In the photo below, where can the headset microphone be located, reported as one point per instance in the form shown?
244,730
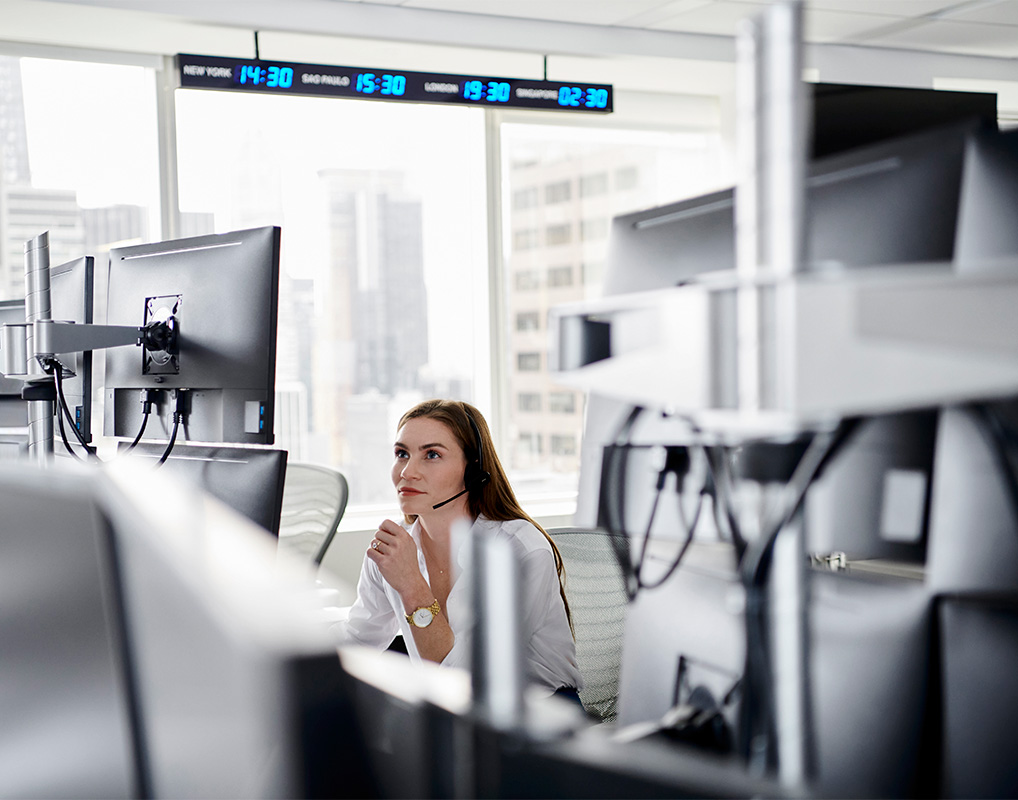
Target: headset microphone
451,498
475,477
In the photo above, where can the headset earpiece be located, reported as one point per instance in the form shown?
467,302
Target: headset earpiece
474,477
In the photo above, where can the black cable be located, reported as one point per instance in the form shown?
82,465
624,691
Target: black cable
63,437
179,413
689,527
999,436
722,478
613,513
758,717
62,402
821,449
146,410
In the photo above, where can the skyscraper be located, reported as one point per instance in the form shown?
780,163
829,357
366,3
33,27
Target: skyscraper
14,166
375,340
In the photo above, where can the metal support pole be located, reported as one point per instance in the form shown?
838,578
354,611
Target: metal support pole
37,307
497,667
770,246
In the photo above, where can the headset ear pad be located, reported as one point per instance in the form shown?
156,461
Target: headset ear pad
475,476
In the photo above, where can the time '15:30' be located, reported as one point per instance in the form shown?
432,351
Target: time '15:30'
370,83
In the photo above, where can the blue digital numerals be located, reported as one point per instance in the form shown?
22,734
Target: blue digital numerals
270,77
370,83
577,96
490,92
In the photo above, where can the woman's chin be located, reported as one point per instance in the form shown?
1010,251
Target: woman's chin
411,504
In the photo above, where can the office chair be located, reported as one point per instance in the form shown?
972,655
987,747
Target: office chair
597,601
314,499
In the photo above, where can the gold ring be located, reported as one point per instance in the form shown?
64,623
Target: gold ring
374,544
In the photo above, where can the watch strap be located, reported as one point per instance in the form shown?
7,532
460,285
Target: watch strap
434,608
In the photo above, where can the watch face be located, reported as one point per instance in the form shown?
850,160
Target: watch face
423,617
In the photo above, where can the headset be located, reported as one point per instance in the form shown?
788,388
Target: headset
475,476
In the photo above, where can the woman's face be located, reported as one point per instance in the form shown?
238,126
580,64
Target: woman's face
428,465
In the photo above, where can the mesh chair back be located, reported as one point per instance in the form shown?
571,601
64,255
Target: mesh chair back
314,499
597,601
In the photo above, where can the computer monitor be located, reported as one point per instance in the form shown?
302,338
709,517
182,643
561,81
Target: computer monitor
238,685
846,116
987,239
71,300
65,710
248,479
891,202
222,290
160,650
13,410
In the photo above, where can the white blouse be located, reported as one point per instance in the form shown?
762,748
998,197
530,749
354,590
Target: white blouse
377,615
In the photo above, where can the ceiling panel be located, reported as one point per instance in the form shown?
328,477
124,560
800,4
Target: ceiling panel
926,25
821,25
592,12
720,17
949,36
890,8
999,13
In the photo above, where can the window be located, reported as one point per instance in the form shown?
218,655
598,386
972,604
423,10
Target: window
528,321
591,185
528,280
592,229
611,172
562,402
528,362
525,198
365,329
559,234
626,178
560,276
558,192
525,239
88,185
563,445
528,445
529,401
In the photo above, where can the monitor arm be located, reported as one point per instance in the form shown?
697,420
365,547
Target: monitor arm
52,337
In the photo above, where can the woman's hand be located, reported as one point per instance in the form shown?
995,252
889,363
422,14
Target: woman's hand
395,553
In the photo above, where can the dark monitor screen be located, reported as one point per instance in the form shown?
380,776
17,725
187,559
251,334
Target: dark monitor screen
846,116
894,202
222,291
248,479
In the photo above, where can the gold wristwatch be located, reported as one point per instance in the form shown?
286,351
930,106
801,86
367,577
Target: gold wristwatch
422,617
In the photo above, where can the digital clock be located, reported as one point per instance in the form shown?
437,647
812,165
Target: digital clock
324,80
576,96
489,92
272,77
384,84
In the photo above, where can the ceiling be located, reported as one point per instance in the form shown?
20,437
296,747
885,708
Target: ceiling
969,27
982,28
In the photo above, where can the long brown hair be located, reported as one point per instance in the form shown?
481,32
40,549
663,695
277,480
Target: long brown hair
495,498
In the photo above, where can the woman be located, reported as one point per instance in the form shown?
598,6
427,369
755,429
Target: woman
444,470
